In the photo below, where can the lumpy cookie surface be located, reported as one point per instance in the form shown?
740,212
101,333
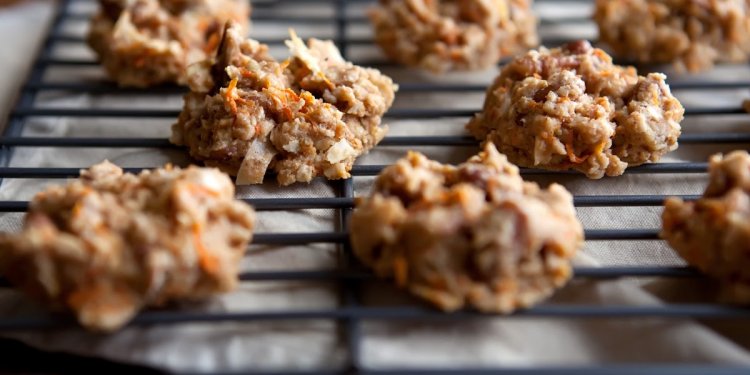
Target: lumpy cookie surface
144,43
572,108
713,233
111,243
446,35
475,235
693,34
311,115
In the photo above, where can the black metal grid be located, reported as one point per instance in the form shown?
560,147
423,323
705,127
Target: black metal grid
351,312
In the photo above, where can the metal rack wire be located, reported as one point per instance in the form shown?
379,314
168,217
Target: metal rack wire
352,312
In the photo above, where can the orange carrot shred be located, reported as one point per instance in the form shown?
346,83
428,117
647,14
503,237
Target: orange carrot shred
569,150
80,297
284,64
200,189
230,95
212,43
207,261
400,270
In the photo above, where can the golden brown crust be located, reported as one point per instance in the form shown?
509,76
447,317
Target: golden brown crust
145,43
309,116
111,243
474,235
713,233
692,34
571,108
445,35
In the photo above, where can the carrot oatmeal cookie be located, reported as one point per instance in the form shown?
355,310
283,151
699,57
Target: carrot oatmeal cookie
111,243
571,108
143,43
474,235
445,35
713,233
693,34
311,115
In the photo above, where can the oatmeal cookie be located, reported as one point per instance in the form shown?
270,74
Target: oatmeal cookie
310,115
571,108
693,34
474,235
713,233
143,43
111,243
445,35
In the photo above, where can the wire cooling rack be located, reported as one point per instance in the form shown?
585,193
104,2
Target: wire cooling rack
351,312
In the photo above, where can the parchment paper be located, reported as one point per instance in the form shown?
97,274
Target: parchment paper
387,344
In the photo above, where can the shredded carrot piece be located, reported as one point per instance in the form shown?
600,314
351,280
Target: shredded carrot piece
77,210
212,43
200,189
78,207
291,95
207,261
302,72
282,101
230,95
328,83
79,298
246,73
569,150
400,270
600,148
600,54
282,98
288,113
203,24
